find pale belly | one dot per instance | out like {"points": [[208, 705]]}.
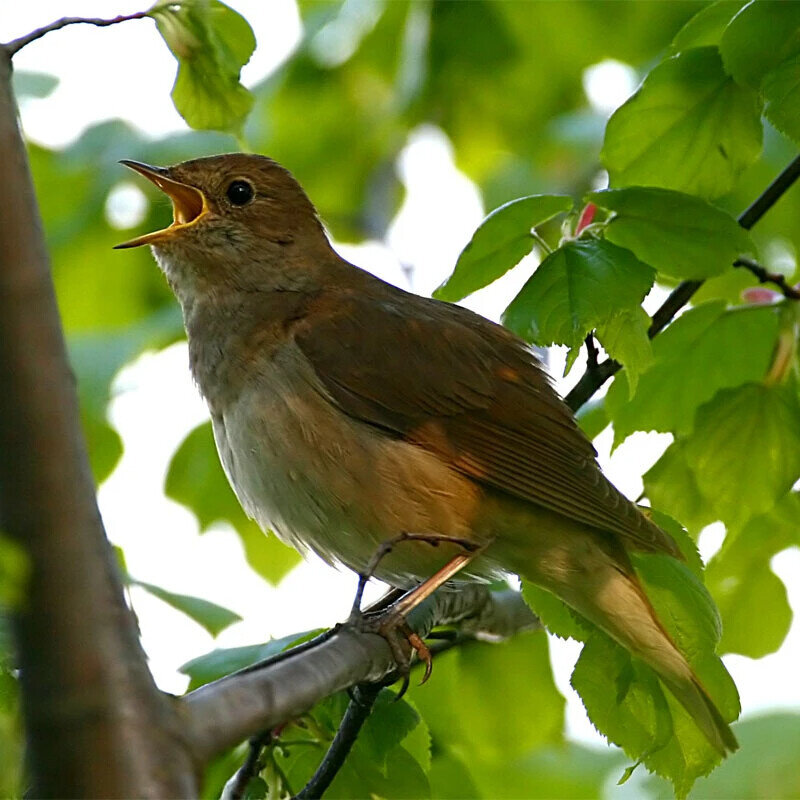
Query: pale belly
{"points": [[332, 484]]}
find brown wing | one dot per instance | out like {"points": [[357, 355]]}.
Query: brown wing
{"points": [[465, 388]]}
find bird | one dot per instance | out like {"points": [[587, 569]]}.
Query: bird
{"points": [[349, 413]]}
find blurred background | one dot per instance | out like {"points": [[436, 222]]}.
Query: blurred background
{"points": [[405, 123]]}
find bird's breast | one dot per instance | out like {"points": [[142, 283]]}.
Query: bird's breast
{"points": [[324, 481]]}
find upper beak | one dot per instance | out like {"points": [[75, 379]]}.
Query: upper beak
{"points": [[188, 203]]}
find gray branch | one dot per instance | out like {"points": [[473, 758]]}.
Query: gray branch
{"points": [[234, 708]]}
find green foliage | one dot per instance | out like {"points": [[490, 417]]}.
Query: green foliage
{"points": [[680, 235], [500, 242], [709, 348], [765, 767], [223, 661], [211, 43], [212, 617], [195, 478], [338, 118], [690, 127], [560, 303], [389, 759]]}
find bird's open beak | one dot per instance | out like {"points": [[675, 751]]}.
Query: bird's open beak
{"points": [[189, 204]]}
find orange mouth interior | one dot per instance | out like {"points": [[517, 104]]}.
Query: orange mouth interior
{"points": [[188, 204]]}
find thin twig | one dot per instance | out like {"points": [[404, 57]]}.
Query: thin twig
{"points": [[362, 700], [765, 276], [594, 377], [14, 46], [237, 786]]}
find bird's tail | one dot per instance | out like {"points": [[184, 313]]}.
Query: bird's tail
{"points": [[608, 593]]}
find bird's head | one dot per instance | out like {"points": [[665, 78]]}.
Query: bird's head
{"points": [[237, 218]]}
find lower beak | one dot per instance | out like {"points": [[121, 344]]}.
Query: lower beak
{"points": [[189, 204]]}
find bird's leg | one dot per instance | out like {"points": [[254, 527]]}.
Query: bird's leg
{"points": [[391, 621], [386, 547]]}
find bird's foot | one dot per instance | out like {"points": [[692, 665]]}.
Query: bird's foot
{"points": [[387, 617], [403, 641]]}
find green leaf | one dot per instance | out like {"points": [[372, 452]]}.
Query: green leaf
{"points": [[625, 339], [689, 127], [639, 715], [211, 43], [781, 89], [471, 712], [680, 235], [593, 417], [195, 479], [568, 771], [15, 569], [223, 661], [761, 37], [33, 84], [554, 614], [704, 350], [764, 767], [745, 449], [707, 25], [576, 288], [623, 697], [499, 243], [670, 484], [212, 617], [752, 600]]}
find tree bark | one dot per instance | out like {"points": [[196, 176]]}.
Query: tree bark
{"points": [[96, 724]]}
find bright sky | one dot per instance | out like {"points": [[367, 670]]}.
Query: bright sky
{"points": [[126, 71]]}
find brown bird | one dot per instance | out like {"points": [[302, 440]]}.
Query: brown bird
{"points": [[348, 412]]}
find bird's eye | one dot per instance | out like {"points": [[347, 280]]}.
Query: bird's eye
{"points": [[239, 192]]}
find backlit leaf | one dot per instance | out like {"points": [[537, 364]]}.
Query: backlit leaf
{"points": [[680, 235], [563, 300], [689, 127], [499, 243]]}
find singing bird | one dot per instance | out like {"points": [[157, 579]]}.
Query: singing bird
{"points": [[348, 412]]}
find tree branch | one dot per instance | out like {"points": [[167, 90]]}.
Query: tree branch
{"points": [[765, 276], [595, 376], [265, 695], [96, 724], [14, 46]]}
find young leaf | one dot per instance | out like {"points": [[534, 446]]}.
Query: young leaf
{"points": [[576, 288], [500, 243], [680, 235], [556, 616], [705, 350], [625, 339], [689, 127], [211, 43], [706, 26], [195, 479], [745, 449], [212, 617]]}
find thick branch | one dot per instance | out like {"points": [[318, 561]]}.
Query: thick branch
{"points": [[261, 697], [96, 725], [596, 375]]}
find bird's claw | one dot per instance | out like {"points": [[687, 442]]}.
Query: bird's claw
{"points": [[402, 641]]}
